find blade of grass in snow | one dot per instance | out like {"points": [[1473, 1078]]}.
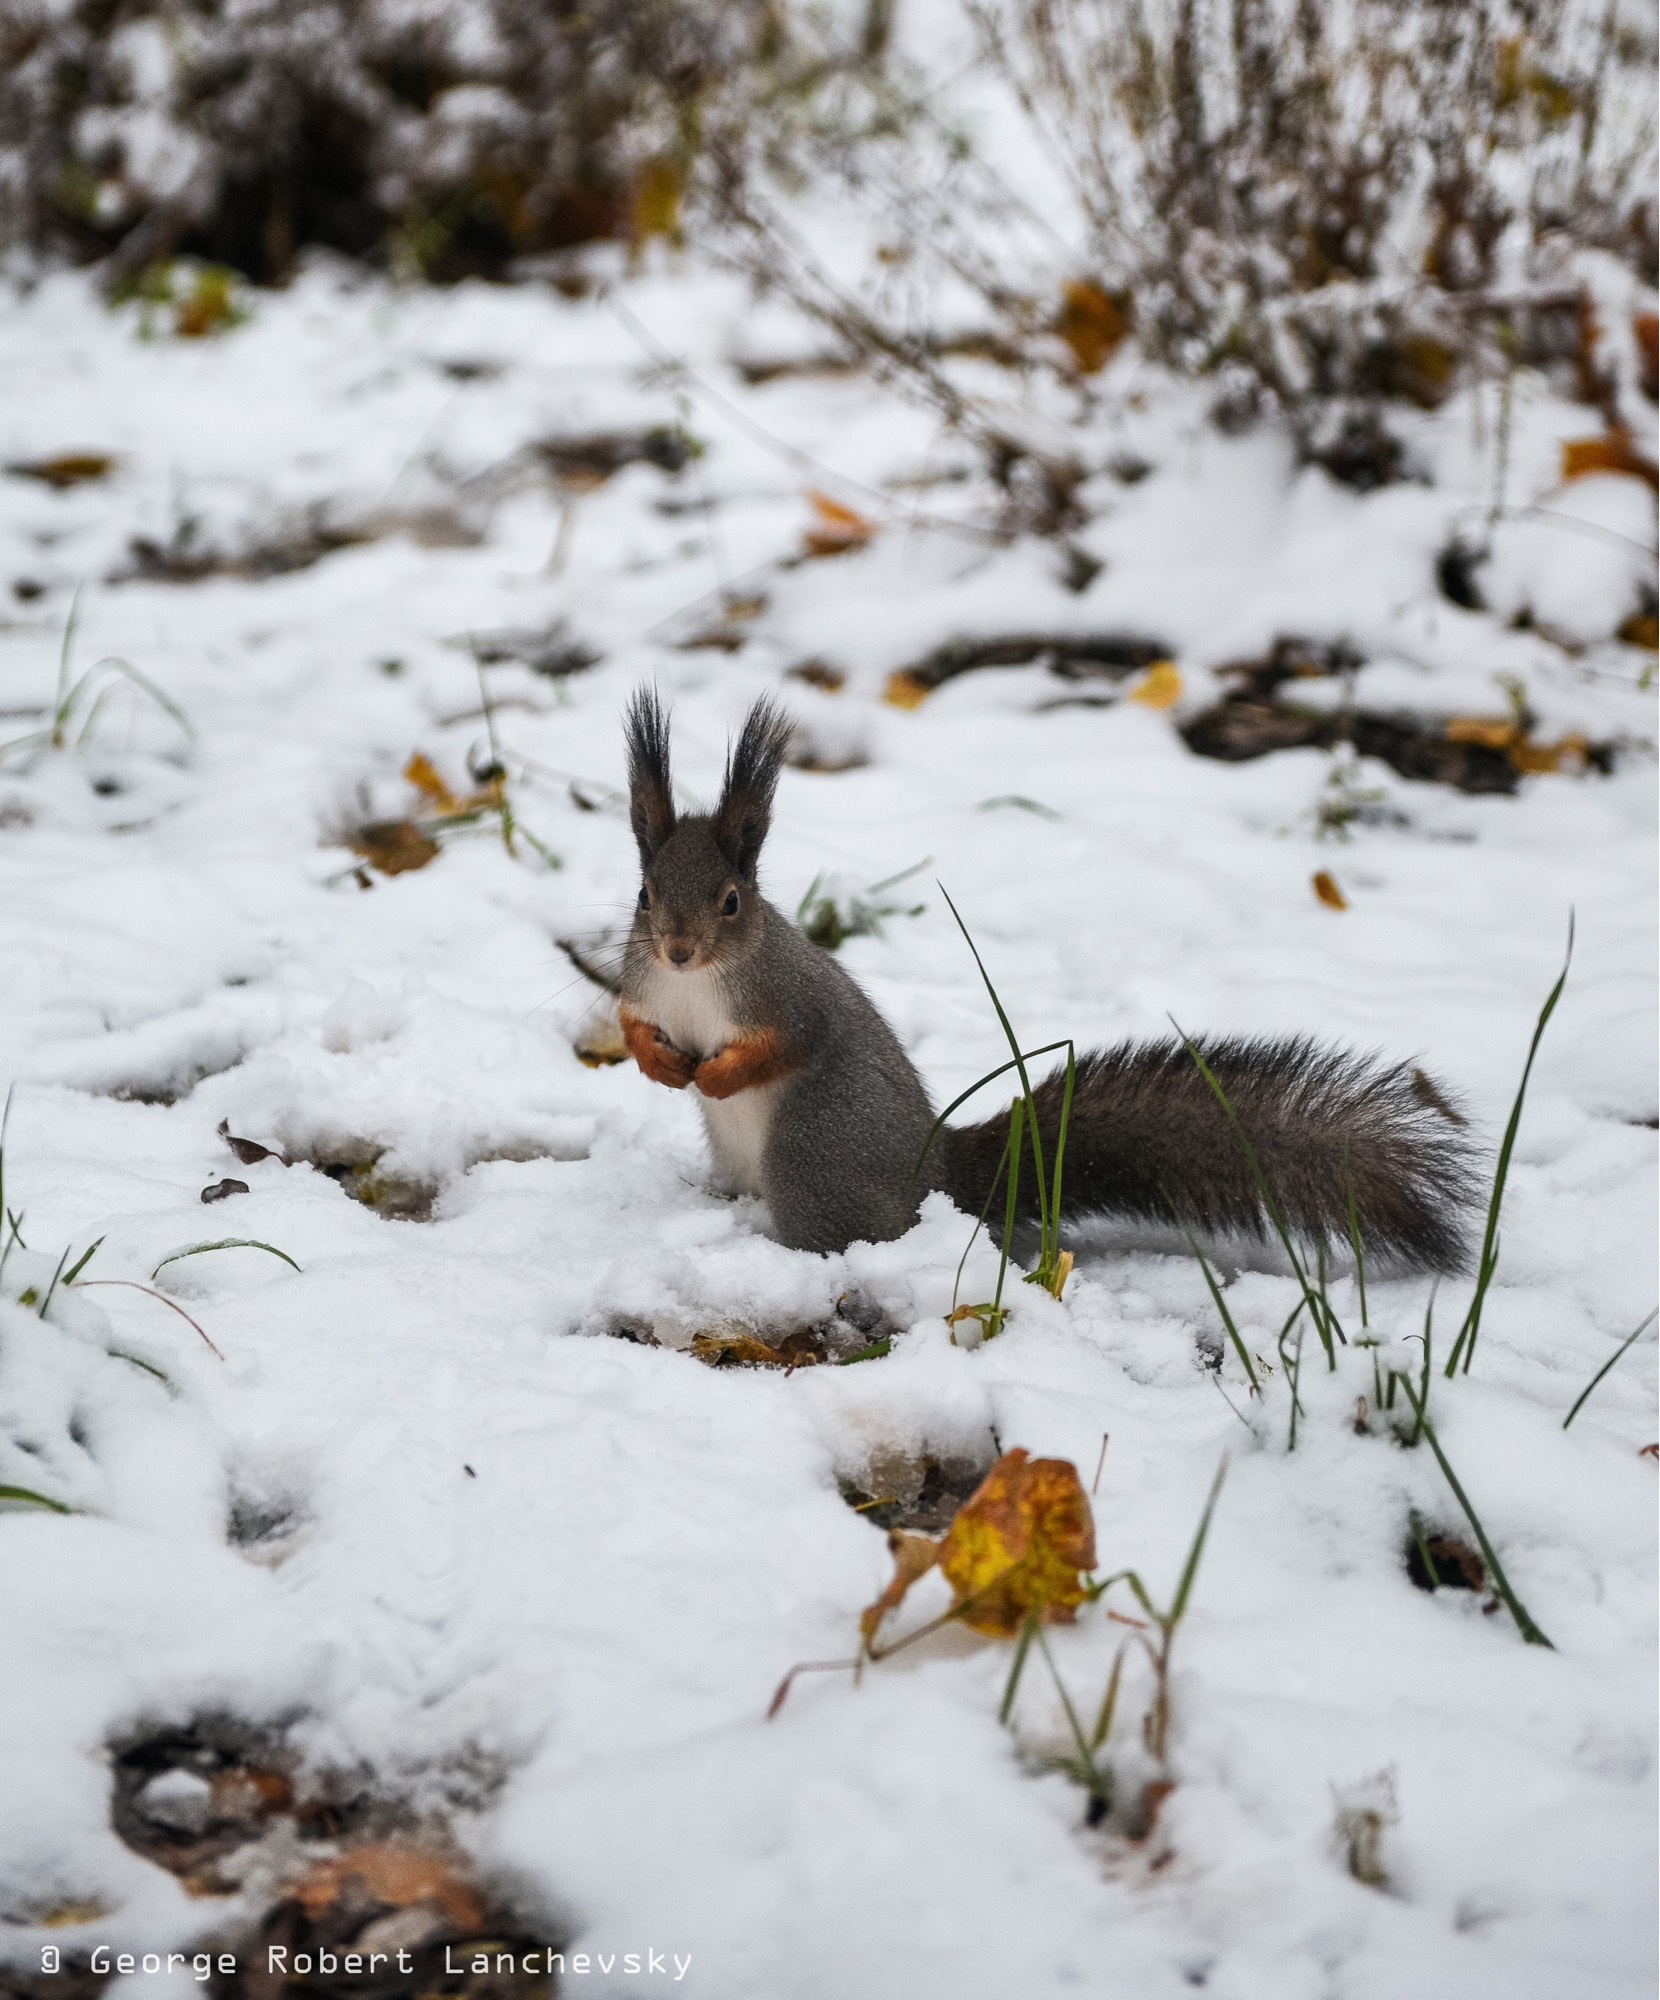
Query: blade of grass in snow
{"points": [[29, 1498], [1270, 1201], [132, 1284], [1501, 1583], [81, 1262], [224, 1243], [1630, 1340], [1464, 1347]]}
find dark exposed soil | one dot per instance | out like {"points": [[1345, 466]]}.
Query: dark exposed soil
{"points": [[1261, 714]]}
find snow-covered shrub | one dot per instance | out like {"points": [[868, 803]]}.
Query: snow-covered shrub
{"points": [[450, 135], [1319, 200]]}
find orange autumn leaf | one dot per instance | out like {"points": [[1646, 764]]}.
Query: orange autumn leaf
{"points": [[394, 846], [913, 1557], [839, 529], [1018, 1546], [1325, 887], [1091, 324]]}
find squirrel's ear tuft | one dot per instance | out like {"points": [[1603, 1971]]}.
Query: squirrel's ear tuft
{"points": [[650, 800], [745, 810]]}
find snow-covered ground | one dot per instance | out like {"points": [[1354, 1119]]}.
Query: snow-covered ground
{"points": [[434, 1520]]}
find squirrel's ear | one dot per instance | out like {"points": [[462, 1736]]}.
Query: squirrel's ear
{"points": [[745, 810], [650, 800]]}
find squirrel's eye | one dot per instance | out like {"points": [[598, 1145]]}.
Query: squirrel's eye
{"points": [[645, 897], [730, 907]]}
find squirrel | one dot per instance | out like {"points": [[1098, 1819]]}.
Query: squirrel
{"points": [[810, 1102]]}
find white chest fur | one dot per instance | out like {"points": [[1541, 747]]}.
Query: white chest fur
{"points": [[691, 1010]]}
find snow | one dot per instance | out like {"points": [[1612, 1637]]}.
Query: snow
{"points": [[548, 1577]]}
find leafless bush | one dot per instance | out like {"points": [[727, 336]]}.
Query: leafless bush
{"points": [[1316, 200], [450, 135]]}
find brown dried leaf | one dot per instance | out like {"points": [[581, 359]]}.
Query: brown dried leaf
{"points": [[223, 1190], [249, 1151], [68, 468], [394, 846], [1092, 325], [913, 1557], [1325, 887], [1613, 452], [839, 528], [1019, 1544], [392, 1876]]}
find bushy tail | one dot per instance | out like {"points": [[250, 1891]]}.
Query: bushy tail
{"points": [[1149, 1139]]}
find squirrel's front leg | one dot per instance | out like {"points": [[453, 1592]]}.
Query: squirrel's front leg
{"points": [[655, 1053], [743, 1065]]}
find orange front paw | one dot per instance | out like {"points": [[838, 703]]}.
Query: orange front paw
{"points": [[741, 1065], [656, 1054]]}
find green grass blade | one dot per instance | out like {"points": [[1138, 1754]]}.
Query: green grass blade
{"points": [[1109, 1700], [1100, 1785], [1501, 1583], [63, 696], [1014, 1050], [81, 1263], [1360, 1254], [1265, 1189], [1028, 1632], [1017, 1112], [1227, 1317], [53, 1286], [1424, 1555], [30, 1498], [163, 700], [962, 1097], [1191, 1568], [1630, 1340], [224, 1243], [1464, 1347]]}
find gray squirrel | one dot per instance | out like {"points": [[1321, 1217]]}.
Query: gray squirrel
{"points": [[810, 1102]]}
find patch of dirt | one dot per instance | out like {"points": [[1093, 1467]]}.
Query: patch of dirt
{"points": [[338, 1894], [919, 1494], [1456, 1565], [549, 650], [858, 1330], [590, 459], [187, 557], [1472, 754], [1113, 656]]}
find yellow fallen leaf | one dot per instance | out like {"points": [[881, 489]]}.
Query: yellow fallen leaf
{"points": [[422, 773], [67, 1914], [1160, 686], [904, 690], [1018, 1546], [1325, 887], [1490, 734]]}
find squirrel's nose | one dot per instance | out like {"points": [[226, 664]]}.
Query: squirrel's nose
{"points": [[679, 951]]}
